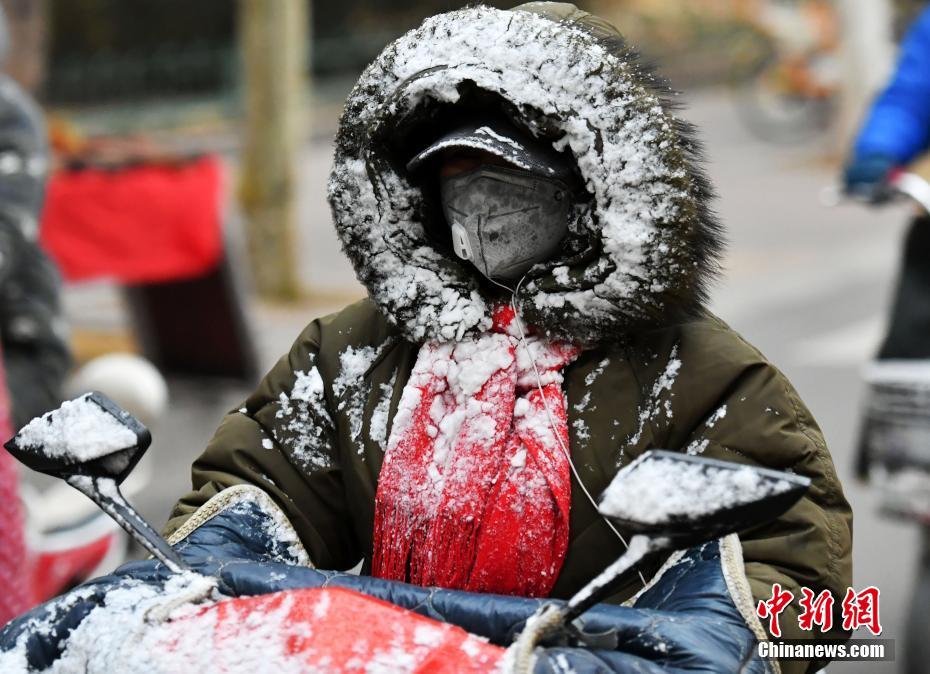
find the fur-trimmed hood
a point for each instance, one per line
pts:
(641, 248)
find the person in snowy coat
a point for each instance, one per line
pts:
(328, 432)
(420, 432)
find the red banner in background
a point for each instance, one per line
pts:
(137, 224)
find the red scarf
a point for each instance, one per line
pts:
(475, 490)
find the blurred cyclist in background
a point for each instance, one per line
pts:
(897, 132)
(35, 354)
(35, 351)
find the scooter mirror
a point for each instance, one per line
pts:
(93, 444)
(90, 435)
(690, 499)
(672, 501)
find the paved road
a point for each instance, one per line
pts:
(806, 284)
(810, 286)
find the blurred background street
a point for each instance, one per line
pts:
(806, 283)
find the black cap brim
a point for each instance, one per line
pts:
(529, 156)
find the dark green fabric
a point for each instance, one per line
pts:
(609, 393)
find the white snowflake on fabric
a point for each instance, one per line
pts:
(659, 401)
(304, 425)
(377, 426)
(351, 388)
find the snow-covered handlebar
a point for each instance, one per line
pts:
(904, 183)
(913, 186)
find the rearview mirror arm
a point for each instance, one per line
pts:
(105, 493)
(641, 548)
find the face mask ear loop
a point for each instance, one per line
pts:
(513, 305)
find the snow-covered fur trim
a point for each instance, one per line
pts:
(642, 247)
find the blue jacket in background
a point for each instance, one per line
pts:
(899, 123)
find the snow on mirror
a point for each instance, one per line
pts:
(93, 444)
(672, 501)
(87, 435)
(668, 491)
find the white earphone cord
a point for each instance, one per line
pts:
(555, 433)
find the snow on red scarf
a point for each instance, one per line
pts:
(474, 492)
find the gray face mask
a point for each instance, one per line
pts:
(504, 220)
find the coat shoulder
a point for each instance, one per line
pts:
(354, 334)
(356, 323)
(709, 392)
(706, 338)
(718, 384)
(358, 326)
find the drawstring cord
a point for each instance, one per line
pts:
(513, 305)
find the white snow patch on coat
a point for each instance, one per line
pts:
(351, 389)
(698, 445)
(717, 416)
(377, 426)
(659, 400)
(592, 376)
(303, 423)
(582, 432)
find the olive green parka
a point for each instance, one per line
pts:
(657, 371)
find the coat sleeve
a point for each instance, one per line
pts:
(283, 441)
(898, 125)
(726, 401)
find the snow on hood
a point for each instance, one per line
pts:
(642, 245)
